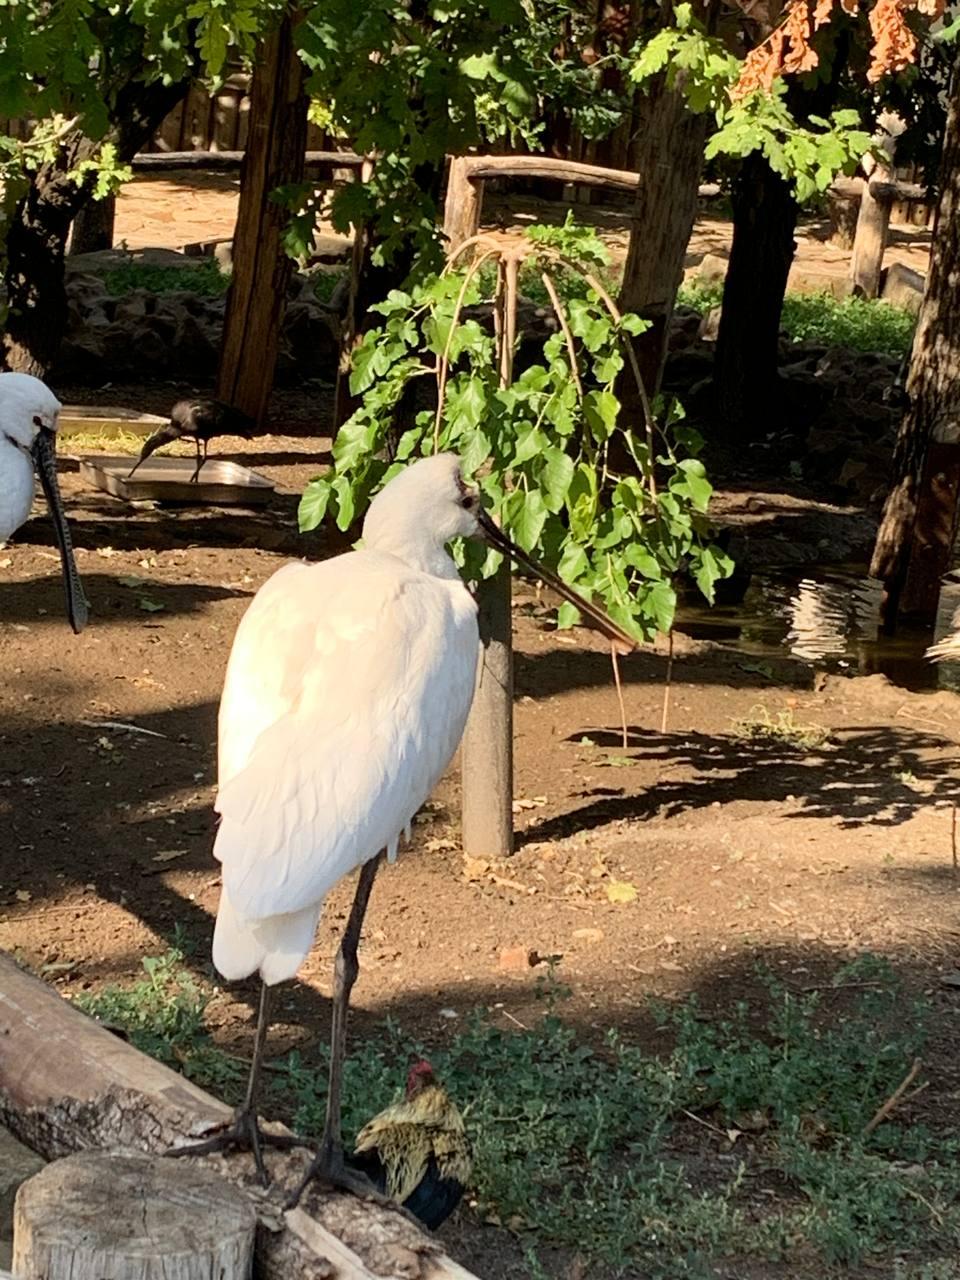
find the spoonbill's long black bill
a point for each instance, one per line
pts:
(592, 616)
(44, 457)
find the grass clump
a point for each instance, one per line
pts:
(859, 324)
(761, 726)
(743, 1139)
(204, 278)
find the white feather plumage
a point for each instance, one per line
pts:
(347, 692)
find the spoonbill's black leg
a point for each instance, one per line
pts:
(328, 1164)
(244, 1132)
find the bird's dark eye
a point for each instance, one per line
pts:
(38, 421)
(468, 501)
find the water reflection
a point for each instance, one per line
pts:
(830, 619)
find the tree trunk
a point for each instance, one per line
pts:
(745, 368)
(262, 269)
(919, 524)
(93, 226)
(36, 240)
(669, 159)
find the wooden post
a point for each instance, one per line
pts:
(873, 220)
(261, 269)
(463, 203)
(67, 1084)
(916, 535)
(120, 1217)
(487, 749)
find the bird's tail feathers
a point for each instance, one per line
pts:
(276, 946)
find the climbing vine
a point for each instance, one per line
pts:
(616, 504)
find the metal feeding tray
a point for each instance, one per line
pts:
(220, 483)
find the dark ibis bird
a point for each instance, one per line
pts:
(346, 695)
(29, 417)
(198, 420)
(417, 1151)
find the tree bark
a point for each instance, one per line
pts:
(669, 159)
(745, 368)
(262, 269)
(919, 525)
(37, 236)
(93, 226)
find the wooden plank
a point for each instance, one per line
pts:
(67, 1084)
(168, 137)
(227, 161)
(588, 175)
(463, 202)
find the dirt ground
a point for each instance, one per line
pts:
(737, 849)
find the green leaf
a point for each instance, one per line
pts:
(661, 604)
(573, 563)
(568, 615)
(600, 408)
(313, 504)
(475, 453)
(556, 477)
(528, 524)
(346, 503)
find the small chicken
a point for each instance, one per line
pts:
(417, 1151)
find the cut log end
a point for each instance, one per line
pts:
(130, 1217)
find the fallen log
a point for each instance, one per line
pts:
(67, 1084)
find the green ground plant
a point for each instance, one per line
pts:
(204, 278)
(859, 324)
(644, 1163)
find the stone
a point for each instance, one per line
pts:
(710, 325)
(901, 286)
(517, 959)
(17, 1164)
(712, 268)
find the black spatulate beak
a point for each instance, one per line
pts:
(44, 457)
(592, 616)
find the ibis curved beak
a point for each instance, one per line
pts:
(592, 616)
(44, 457)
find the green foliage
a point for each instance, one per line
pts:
(564, 472)
(593, 1149)
(205, 278)
(809, 155)
(859, 324)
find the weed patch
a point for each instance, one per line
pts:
(859, 324)
(205, 278)
(746, 1138)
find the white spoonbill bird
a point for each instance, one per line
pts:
(347, 692)
(29, 413)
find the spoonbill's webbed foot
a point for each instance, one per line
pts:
(242, 1134)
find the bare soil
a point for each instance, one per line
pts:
(738, 850)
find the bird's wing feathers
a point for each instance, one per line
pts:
(346, 695)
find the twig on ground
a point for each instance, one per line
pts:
(894, 1098)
